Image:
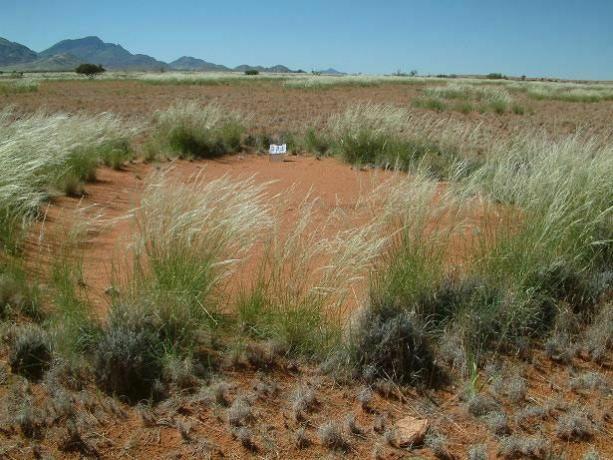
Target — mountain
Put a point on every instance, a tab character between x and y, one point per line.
191	63
111	56
332	71
259	68
55	63
68	54
14	53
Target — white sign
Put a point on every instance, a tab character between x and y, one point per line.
278	149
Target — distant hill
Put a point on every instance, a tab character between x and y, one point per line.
54	63
15	53
111	56
259	68
68	54
191	63
331	71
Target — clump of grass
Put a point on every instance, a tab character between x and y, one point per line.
477	452
331	436
497	423
33	168
295	299
493	98
480	405
430	103
365	397
301	438
240	412
598	341
17	295
244	435
303	400
589	381
190	237
30	352
526	447
391	137
190	130
574	426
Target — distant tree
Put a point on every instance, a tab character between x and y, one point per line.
413	73
495	76
90	70
252	72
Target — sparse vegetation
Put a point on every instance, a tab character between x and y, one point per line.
228	297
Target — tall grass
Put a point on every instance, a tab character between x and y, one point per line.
489	97
188	129
18	86
300	294
42	154
189	238
327	81
393	137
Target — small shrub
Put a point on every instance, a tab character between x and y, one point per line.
30	352
394	343
352	425
303	400
574	426
331	436
497	423
523	447
530	413
220	392
301	438
245	436
180	373
477	452
240	412
480	405
261	356
127	361
598	338
365	397
560	348
589	381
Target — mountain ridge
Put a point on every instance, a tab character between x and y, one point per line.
67	54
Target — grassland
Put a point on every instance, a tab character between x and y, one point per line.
466	280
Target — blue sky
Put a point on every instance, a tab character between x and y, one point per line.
564	38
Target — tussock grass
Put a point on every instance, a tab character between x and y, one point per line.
299	296
487	97
41	152
188	129
393	137
190	236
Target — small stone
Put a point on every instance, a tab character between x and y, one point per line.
410	431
